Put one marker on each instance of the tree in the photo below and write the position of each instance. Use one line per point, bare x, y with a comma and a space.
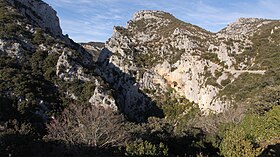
92, 126
252, 135
145, 148
235, 144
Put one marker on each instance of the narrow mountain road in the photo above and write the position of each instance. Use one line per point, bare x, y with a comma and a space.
261, 72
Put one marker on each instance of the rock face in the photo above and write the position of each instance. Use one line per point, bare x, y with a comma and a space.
162, 52
40, 13
94, 48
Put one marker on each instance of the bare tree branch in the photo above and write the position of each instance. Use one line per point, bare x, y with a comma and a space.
93, 126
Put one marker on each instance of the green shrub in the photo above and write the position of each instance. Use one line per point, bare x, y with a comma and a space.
38, 37
49, 66
252, 135
235, 144
145, 148
212, 81
225, 82
213, 57
269, 97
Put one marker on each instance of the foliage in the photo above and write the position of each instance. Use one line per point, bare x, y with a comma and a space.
176, 55
178, 110
147, 60
225, 82
212, 81
252, 135
24, 93
269, 97
38, 36
213, 57
235, 144
8, 24
18, 140
44, 64
145, 148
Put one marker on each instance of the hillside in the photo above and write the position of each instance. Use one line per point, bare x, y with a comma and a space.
42, 71
163, 52
157, 87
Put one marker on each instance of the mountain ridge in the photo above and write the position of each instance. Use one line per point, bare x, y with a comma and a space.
170, 86
133, 44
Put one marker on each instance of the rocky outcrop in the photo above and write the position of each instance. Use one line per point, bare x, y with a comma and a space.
40, 13
11, 49
162, 52
242, 28
103, 97
131, 101
69, 70
94, 48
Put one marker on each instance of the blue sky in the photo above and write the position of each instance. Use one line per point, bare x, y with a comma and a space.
93, 20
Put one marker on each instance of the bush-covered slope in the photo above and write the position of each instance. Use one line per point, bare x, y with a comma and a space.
41, 72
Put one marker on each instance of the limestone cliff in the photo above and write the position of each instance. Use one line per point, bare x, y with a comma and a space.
40, 13
162, 52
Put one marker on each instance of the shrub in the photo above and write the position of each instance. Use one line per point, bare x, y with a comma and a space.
264, 102
225, 82
213, 57
145, 148
252, 135
91, 126
38, 37
235, 144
